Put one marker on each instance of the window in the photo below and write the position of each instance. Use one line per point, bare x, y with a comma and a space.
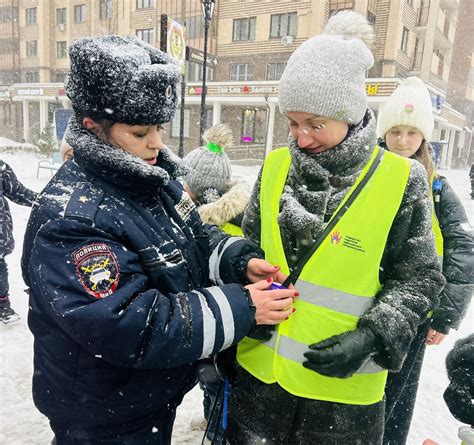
146, 35
283, 25
105, 9
144, 4
59, 77
275, 70
30, 16
241, 71
32, 48
253, 126
61, 50
8, 14
80, 13
195, 27
244, 29
61, 16
176, 121
409, 2
404, 44
338, 5
371, 18
32, 77
194, 72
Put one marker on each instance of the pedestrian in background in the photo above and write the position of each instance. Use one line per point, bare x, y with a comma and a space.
13, 189
405, 124
221, 200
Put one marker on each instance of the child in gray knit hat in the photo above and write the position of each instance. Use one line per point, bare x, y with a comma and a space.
341, 215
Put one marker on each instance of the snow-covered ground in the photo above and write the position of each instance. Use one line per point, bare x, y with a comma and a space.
22, 424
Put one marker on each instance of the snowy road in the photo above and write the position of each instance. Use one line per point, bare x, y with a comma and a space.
22, 424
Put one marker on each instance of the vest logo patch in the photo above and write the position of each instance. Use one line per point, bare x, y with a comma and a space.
353, 243
97, 269
336, 237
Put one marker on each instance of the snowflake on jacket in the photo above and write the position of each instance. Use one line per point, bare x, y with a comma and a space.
13, 189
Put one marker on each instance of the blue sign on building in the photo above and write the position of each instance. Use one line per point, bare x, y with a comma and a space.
61, 119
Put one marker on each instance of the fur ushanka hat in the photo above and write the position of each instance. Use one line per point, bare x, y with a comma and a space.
122, 79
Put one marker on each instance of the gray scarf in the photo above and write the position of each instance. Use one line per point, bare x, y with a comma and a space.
317, 184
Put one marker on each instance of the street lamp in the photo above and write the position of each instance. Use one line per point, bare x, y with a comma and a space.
207, 11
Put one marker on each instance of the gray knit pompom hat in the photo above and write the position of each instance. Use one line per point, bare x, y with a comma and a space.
210, 169
325, 76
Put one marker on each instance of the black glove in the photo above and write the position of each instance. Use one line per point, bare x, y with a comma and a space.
342, 355
262, 332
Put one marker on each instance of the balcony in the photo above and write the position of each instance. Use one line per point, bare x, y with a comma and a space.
449, 4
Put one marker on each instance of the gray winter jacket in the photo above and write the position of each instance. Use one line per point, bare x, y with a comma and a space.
11, 188
458, 268
410, 276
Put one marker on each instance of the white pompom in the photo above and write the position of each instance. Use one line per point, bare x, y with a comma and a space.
350, 24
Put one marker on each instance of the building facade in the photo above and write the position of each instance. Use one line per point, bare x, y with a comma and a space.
249, 45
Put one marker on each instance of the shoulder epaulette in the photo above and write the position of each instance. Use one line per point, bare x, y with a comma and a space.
84, 202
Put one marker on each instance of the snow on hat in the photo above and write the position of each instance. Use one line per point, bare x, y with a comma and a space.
210, 169
409, 104
325, 76
122, 79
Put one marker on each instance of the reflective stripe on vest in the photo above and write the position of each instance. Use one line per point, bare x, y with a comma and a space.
336, 286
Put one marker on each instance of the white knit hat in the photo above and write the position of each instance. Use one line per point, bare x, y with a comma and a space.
325, 76
409, 104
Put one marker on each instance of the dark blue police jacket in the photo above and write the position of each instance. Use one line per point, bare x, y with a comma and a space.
126, 289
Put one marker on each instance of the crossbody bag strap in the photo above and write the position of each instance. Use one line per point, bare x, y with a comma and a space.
334, 220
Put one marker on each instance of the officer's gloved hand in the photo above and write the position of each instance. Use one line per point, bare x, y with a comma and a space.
342, 355
262, 332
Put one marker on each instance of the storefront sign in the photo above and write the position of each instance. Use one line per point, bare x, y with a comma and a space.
372, 89
31, 92
248, 89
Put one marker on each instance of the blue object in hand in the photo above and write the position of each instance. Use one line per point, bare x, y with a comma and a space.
277, 286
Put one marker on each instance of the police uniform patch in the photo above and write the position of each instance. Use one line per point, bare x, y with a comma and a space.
97, 269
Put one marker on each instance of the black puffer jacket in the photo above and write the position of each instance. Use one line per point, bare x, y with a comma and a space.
11, 188
460, 365
457, 260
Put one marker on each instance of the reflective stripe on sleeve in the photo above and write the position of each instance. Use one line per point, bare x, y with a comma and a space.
208, 327
216, 256
226, 315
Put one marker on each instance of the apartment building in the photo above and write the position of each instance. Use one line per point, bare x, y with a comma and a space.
34, 44
249, 44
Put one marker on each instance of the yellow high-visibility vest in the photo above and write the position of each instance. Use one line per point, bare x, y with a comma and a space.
232, 229
336, 286
436, 228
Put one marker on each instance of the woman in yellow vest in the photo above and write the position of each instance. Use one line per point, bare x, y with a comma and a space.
319, 377
405, 124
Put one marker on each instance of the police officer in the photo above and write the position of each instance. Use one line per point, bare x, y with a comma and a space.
128, 288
